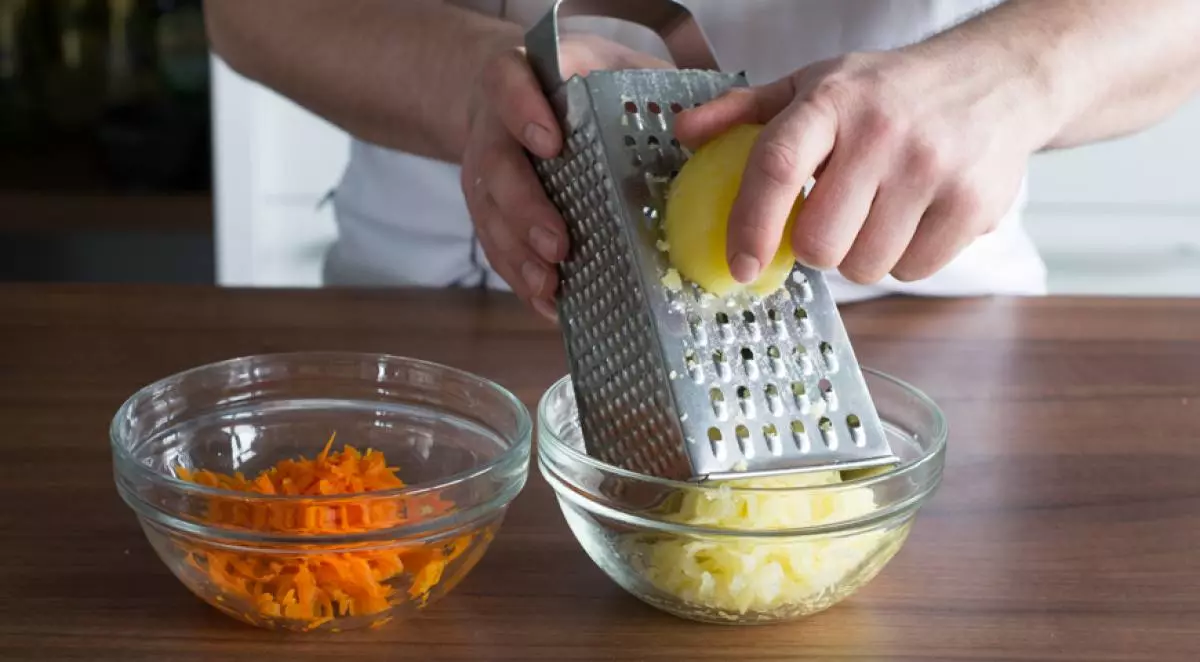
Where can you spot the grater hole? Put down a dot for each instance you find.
(828, 394)
(854, 424)
(747, 354)
(830, 357)
(653, 107)
(773, 315)
(630, 141)
(631, 108)
(675, 144)
(743, 393)
(800, 437)
(748, 317)
(722, 318)
(825, 425)
(652, 141)
(801, 314)
(676, 108)
(717, 441)
(773, 352)
(772, 391)
(743, 437)
(771, 434)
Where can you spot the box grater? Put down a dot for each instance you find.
(669, 380)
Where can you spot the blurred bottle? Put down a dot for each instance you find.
(131, 67)
(16, 100)
(154, 130)
(183, 47)
(75, 86)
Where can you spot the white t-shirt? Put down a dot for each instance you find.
(402, 219)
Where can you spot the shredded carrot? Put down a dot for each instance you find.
(314, 587)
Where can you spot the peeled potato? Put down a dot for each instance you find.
(697, 218)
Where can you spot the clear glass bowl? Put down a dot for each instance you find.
(325, 562)
(736, 553)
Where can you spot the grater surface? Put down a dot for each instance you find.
(671, 381)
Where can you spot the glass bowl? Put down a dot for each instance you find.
(210, 461)
(741, 552)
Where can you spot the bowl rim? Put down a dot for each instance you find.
(939, 435)
(522, 442)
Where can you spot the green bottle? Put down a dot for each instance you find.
(75, 89)
(16, 100)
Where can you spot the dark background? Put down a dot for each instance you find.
(105, 142)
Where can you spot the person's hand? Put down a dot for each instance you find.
(914, 157)
(522, 233)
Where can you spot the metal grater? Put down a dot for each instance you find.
(670, 381)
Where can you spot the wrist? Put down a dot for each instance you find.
(1018, 84)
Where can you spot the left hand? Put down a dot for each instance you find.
(914, 156)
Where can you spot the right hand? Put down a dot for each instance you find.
(521, 231)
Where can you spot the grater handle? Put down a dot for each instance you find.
(672, 21)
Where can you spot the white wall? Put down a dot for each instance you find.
(1117, 218)
(1123, 217)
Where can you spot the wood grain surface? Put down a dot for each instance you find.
(1067, 526)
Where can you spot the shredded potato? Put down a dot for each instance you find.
(740, 574)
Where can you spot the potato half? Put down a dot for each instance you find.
(697, 217)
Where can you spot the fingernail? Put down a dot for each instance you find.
(744, 267)
(545, 310)
(537, 138)
(535, 277)
(546, 243)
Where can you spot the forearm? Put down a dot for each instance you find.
(1096, 69)
(395, 73)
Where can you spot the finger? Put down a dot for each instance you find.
(887, 232)
(836, 209)
(516, 97)
(753, 105)
(945, 229)
(529, 216)
(529, 277)
(486, 218)
(786, 154)
(546, 309)
(503, 249)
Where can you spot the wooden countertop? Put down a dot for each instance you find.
(1067, 526)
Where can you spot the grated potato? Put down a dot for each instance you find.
(743, 575)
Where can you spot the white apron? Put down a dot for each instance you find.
(402, 219)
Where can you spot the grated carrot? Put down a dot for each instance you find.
(312, 586)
